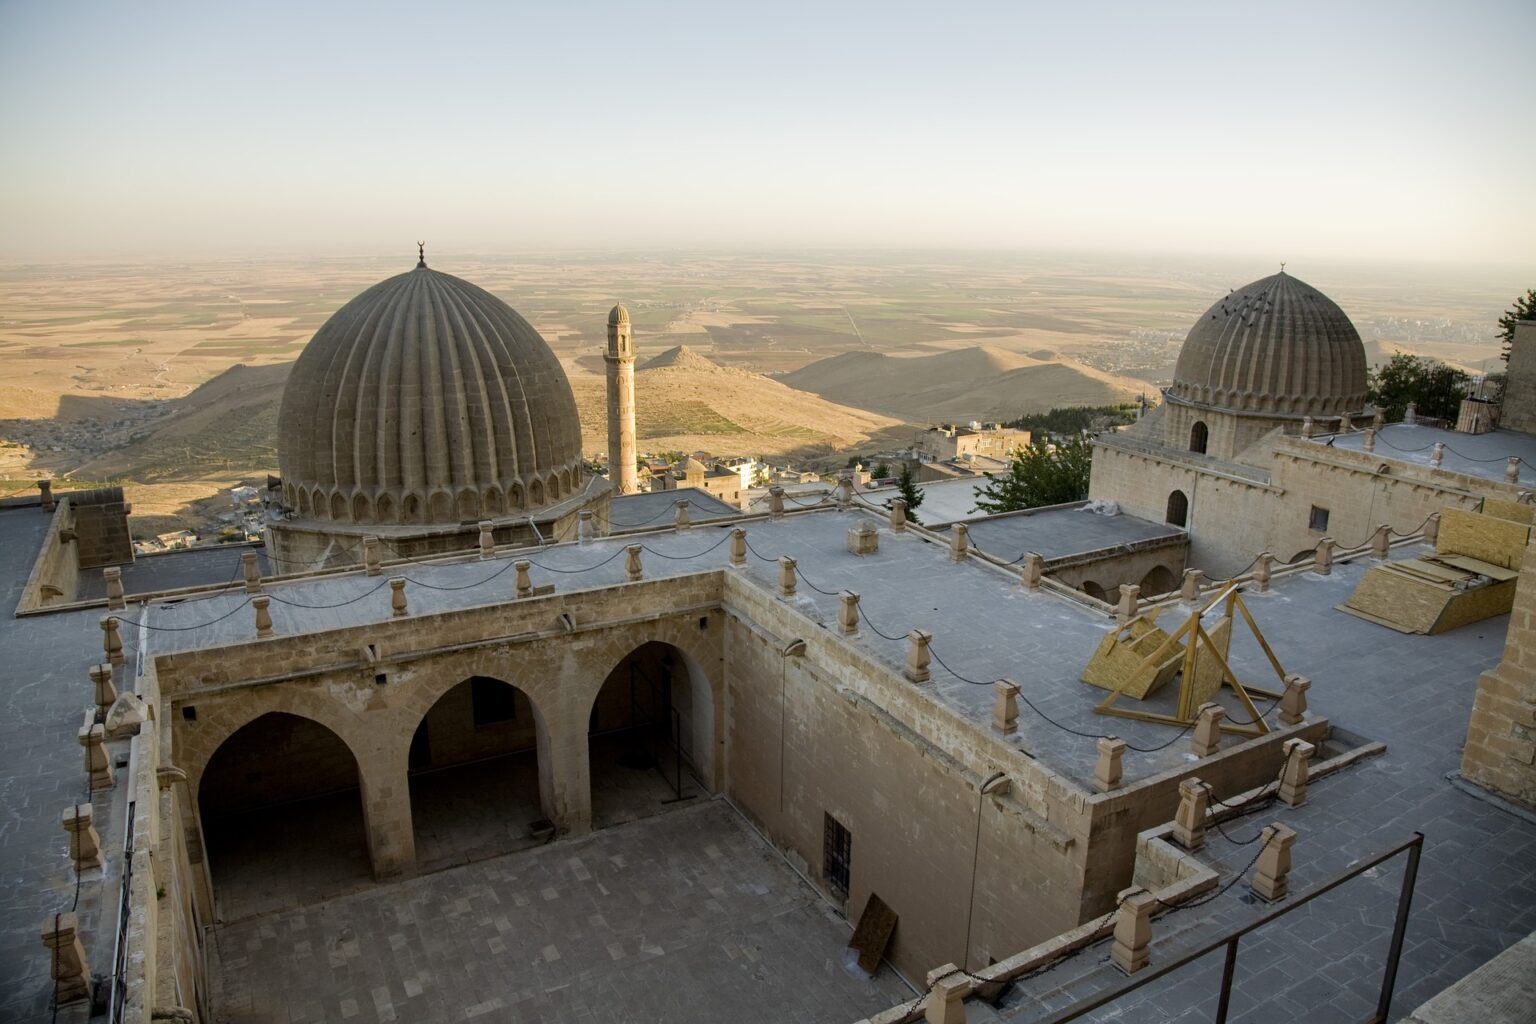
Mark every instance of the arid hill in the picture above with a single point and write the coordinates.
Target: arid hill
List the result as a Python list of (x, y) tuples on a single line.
[(969, 383), (683, 401)]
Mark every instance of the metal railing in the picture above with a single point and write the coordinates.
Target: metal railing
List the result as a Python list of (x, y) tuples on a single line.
[(1414, 848)]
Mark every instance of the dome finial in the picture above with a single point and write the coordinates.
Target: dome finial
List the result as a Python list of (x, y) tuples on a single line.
[(421, 254), (1282, 266)]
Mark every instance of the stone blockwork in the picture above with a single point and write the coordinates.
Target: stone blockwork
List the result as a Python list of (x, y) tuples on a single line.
[(1501, 737), (101, 527), (1520, 387)]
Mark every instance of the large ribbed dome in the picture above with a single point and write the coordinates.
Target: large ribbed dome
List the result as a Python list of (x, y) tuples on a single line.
[(1277, 347), (427, 400)]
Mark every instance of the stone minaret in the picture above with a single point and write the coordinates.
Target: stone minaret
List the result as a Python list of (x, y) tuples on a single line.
[(621, 404)]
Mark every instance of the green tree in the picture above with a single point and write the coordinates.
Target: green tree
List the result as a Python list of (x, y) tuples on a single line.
[(881, 472), (1435, 388), (1523, 309), (909, 492), (1041, 473)]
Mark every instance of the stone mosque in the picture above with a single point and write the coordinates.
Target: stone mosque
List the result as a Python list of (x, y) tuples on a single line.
[(480, 734)]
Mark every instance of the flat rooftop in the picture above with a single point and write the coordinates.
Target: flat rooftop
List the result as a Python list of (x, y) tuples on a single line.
[(659, 508), (172, 570), (686, 916), (1066, 530), (985, 625), (1479, 455)]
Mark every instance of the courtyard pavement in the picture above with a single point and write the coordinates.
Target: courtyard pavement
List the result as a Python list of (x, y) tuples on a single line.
[(685, 916)]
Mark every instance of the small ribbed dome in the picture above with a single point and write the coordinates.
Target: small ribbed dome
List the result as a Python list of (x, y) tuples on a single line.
[(427, 400), (618, 315), (1276, 347)]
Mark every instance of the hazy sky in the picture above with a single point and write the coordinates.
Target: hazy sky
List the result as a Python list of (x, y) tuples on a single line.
[(1393, 130)]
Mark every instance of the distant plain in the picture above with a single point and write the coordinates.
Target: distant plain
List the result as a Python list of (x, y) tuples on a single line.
[(126, 372)]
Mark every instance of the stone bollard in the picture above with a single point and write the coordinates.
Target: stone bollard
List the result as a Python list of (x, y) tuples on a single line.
[(251, 572), (848, 613), (681, 522), (84, 841), (1263, 569), (1308, 428), (586, 527), (1381, 541), (1133, 930), (1271, 874), (845, 492), (786, 576), (738, 546), (1411, 414), (776, 502), (959, 543), (1512, 470), (1189, 819), (898, 515), (1130, 595), (263, 616), (1190, 592), (1370, 439), (1322, 559), (1207, 737), (632, 569), (524, 584), (1346, 424), (61, 936), (487, 539), (45, 489), (112, 640), (1432, 528), (106, 693), (1437, 453), (397, 597), (918, 657), (864, 539), (1005, 707), (371, 556), (1378, 418), (1293, 779), (1032, 570), (1110, 768), (93, 738), (113, 578), (1293, 702), (945, 1003)]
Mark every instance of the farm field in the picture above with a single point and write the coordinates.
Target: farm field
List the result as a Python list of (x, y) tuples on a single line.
[(165, 376)]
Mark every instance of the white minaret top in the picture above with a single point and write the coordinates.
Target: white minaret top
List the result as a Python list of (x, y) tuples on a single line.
[(620, 357)]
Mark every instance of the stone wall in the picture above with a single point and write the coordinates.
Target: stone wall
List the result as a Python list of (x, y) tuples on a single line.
[(101, 527), (55, 575), (1500, 753), (1519, 411)]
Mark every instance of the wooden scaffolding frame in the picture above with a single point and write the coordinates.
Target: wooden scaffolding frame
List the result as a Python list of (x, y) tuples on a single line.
[(1199, 640)]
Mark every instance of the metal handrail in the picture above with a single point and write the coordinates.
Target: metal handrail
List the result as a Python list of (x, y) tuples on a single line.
[(1414, 847)]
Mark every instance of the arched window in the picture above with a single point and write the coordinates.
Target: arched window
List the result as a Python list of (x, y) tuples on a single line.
[(1178, 509), (1199, 434)]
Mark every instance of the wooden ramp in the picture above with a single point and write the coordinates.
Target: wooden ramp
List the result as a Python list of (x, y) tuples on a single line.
[(1470, 577)]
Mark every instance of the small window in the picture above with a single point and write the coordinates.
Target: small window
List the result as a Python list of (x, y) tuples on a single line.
[(1199, 435), (1178, 509), (837, 855), (493, 701), (1317, 519), (189, 712)]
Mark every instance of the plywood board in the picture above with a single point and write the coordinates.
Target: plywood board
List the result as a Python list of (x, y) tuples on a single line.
[(873, 934), (1207, 669), (1486, 538), (1511, 510), (1119, 660)]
